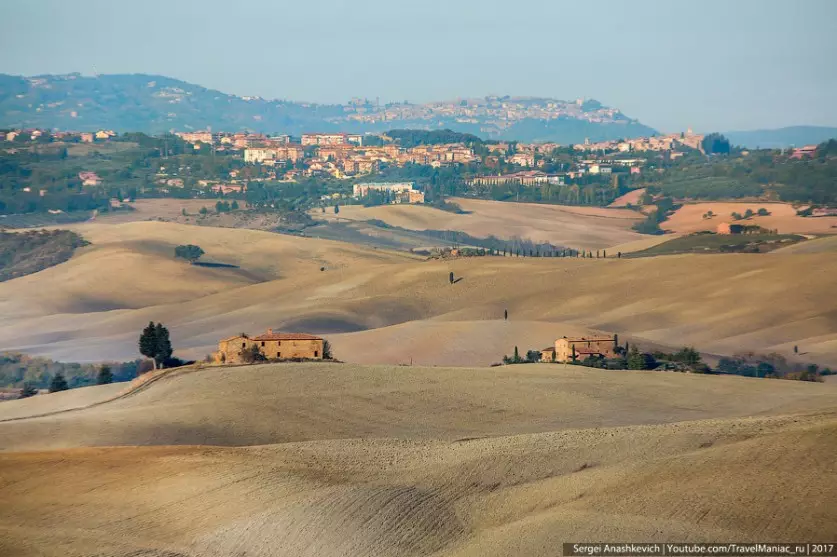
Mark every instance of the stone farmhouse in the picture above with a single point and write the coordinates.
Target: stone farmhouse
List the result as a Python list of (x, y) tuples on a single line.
[(579, 348), (274, 345)]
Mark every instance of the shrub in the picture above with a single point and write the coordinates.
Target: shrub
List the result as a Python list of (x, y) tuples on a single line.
[(28, 390), (252, 354), (533, 356)]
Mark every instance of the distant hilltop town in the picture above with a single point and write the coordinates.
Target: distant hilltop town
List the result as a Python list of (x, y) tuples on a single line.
[(157, 104)]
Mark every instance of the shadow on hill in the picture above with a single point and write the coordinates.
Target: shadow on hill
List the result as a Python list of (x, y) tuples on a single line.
[(325, 325), (215, 265)]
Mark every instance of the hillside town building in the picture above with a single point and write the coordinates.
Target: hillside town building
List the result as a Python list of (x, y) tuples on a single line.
[(331, 139), (273, 345), (526, 178)]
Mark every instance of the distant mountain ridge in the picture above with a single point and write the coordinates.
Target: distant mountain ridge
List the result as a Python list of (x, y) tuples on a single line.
[(156, 104), (781, 138)]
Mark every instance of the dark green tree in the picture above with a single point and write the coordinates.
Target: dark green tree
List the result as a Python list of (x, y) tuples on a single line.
[(28, 390), (105, 376), (327, 355), (164, 349), (337, 209), (58, 383), (715, 144), (533, 356), (451, 277), (189, 252), (154, 343), (635, 359), (148, 342)]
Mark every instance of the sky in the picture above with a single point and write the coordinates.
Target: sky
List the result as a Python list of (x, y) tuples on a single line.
[(710, 65)]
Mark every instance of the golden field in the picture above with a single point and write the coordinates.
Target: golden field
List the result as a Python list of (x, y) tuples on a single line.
[(379, 306), (371, 458), (783, 217), (576, 227), (333, 459)]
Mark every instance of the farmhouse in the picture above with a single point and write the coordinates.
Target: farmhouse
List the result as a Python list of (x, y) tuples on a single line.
[(273, 345), (579, 348)]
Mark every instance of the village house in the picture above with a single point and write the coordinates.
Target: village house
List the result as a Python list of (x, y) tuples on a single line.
[(578, 348), (87, 137), (89, 178), (331, 139), (195, 137), (259, 155), (522, 159), (273, 345), (804, 152)]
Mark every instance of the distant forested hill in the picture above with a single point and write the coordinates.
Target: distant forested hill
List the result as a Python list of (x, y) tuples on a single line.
[(156, 104), (782, 138)]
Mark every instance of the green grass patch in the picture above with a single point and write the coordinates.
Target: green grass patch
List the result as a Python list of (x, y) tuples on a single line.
[(720, 243)]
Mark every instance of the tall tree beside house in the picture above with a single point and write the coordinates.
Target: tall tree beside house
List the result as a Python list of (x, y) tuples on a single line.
[(164, 349), (148, 342), (154, 343), (58, 383), (327, 355), (337, 209)]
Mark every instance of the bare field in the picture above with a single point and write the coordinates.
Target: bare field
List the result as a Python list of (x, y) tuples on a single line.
[(576, 227), (326, 460), (383, 306), (689, 218)]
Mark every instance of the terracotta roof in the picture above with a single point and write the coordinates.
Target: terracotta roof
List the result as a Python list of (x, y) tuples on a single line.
[(273, 335), (548, 349)]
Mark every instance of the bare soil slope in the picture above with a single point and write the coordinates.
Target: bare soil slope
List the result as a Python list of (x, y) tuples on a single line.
[(412, 461)]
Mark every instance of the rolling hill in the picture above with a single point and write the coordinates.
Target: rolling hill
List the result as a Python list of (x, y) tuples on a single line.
[(329, 459), (156, 104), (380, 306)]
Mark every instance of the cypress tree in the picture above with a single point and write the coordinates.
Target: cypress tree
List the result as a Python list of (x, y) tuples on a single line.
[(105, 376), (58, 383)]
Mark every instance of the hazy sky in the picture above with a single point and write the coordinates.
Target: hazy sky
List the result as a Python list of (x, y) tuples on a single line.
[(711, 65)]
